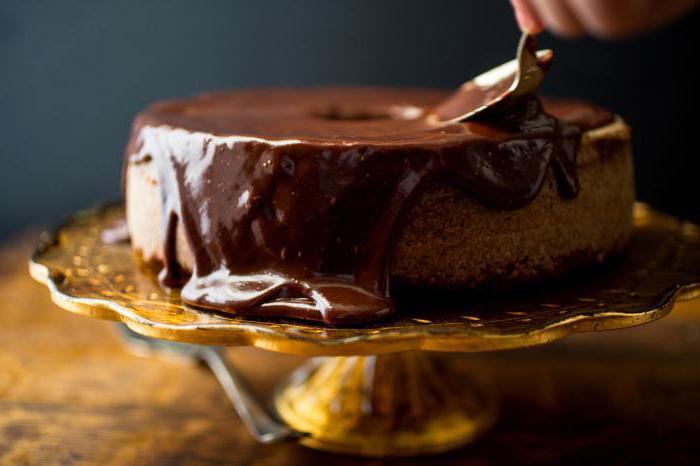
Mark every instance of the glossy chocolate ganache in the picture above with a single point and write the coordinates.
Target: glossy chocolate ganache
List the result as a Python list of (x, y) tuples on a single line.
[(290, 198)]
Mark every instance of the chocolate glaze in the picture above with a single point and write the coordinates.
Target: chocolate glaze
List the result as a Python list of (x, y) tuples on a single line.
[(470, 97), (289, 198)]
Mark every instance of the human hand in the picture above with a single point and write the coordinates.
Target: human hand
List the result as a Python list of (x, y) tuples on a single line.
[(600, 18)]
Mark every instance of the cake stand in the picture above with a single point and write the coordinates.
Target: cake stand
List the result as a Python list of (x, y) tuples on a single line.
[(379, 390)]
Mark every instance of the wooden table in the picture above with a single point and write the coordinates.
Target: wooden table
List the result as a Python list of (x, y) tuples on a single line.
[(70, 393)]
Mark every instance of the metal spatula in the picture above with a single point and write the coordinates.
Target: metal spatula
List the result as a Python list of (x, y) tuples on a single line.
[(260, 423), (499, 86)]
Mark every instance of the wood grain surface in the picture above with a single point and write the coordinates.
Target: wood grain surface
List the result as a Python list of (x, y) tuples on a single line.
[(70, 393)]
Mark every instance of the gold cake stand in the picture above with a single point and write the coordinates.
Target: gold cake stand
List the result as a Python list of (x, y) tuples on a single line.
[(383, 392)]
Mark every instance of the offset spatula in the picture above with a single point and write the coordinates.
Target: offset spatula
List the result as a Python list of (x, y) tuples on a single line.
[(500, 86), (260, 423)]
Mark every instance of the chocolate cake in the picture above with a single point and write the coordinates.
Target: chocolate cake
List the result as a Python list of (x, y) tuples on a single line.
[(312, 202)]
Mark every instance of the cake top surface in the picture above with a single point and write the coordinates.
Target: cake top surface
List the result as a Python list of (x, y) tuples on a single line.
[(338, 115)]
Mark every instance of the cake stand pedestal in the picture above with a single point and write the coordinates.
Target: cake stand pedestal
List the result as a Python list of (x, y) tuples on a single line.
[(379, 389)]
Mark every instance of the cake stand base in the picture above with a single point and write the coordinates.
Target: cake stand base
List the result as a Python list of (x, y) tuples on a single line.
[(396, 404)]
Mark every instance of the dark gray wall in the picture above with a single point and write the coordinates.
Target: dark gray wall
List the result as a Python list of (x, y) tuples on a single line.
[(73, 74)]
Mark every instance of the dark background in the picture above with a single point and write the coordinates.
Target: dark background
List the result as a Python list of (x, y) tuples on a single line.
[(74, 73)]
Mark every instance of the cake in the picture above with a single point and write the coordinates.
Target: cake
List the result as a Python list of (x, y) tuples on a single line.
[(313, 202)]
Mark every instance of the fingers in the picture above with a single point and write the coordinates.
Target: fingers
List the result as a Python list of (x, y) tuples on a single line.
[(601, 18), (558, 17), (527, 18), (615, 19)]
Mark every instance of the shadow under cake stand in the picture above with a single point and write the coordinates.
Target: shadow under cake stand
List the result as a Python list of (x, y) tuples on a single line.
[(379, 390)]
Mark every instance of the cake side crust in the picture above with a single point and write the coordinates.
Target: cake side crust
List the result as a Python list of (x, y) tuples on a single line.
[(474, 244)]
